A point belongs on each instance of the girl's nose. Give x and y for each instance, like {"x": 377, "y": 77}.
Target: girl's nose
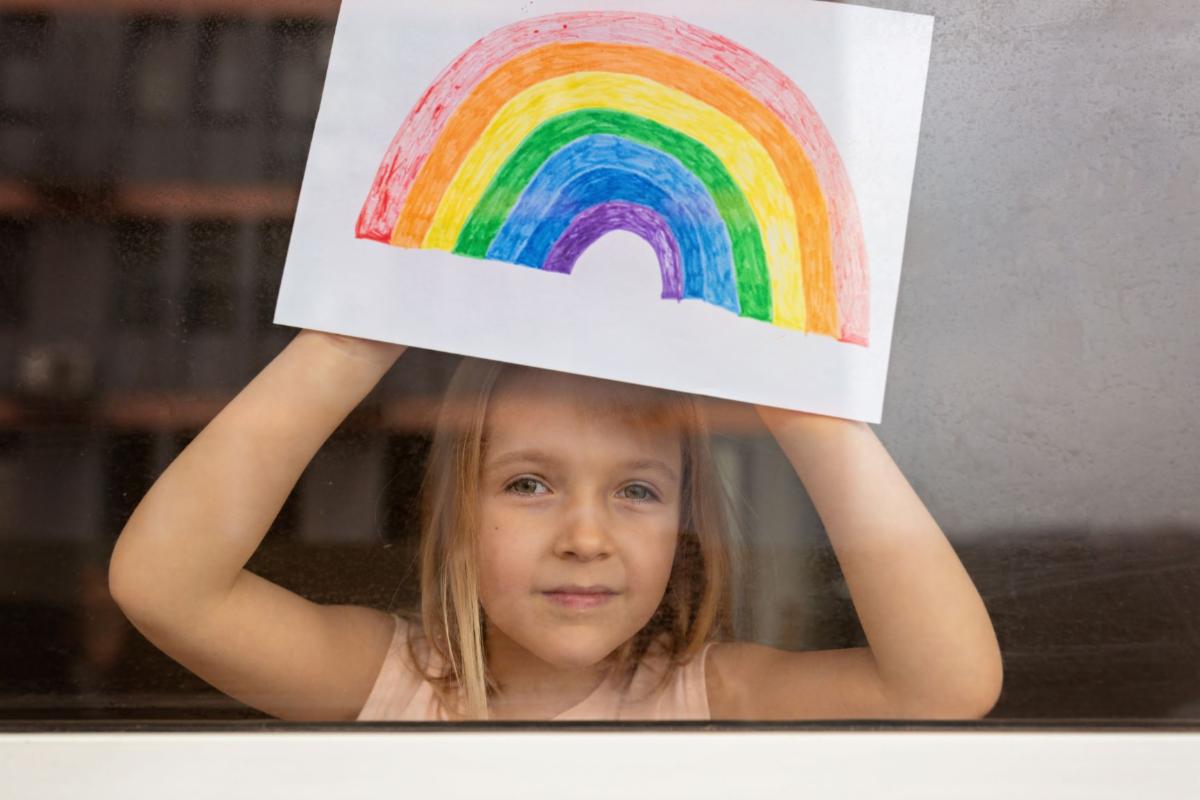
{"x": 584, "y": 533}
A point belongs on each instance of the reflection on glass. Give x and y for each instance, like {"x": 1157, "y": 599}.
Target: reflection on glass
{"x": 137, "y": 292}
{"x": 126, "y": 325}
{"x": 209, "y": 297}
{"x": 14, "y": 249}
{"x": 157, "y": 72}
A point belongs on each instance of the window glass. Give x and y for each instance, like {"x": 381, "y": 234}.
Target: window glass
{"x": 1041, "y": 398}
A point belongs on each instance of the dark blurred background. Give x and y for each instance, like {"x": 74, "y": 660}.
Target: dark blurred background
{"x": 151, "y": 155}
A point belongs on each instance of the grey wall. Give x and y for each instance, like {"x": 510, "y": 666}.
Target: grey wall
{"x": 1046, "y": 358}
{"x": 1046, "y": 365}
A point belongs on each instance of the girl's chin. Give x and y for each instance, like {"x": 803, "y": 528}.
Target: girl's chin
{"x": 582, "y": 654}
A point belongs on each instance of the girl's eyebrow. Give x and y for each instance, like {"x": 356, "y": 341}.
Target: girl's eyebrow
{"x": 522, "y": 455}
{"x": 652, "y": 464}
{"x": 542, "y": 457}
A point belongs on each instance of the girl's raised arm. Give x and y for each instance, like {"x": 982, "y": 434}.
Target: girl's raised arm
{"x": 926, "y": 625}
{"x": 932, "y": 650}
{"x": 177, "y": 568}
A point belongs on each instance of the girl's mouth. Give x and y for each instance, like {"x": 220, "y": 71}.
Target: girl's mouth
{"x": 588, "y": 599}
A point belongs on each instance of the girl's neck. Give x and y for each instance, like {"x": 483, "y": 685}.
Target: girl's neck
{"x": 531, "y": 688}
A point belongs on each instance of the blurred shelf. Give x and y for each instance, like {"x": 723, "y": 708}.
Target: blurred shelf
{"x": 160, "y": 200}
{"x": 17, "y": 199}
{"x": 11, "y": 705}
{"x": 178, "y": 411}
{"x": 158, "y": 412}
{"x": 191, "y": 200}
{"x": 325, "y": 9}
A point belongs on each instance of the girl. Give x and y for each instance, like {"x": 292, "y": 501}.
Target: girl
{"x": 575, "y": 562}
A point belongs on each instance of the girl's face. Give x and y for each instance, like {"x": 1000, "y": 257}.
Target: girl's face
{"x": 579, "y": 518}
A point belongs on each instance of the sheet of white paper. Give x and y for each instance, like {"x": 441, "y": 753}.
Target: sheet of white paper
{"x": 861, "y": 70}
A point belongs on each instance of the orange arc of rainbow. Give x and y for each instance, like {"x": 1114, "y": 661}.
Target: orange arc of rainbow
{"x": 472, "y": 117}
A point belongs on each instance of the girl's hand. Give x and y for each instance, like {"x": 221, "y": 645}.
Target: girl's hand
{"x": 375, "y": 352}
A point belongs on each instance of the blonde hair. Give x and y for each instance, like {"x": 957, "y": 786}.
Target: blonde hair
{"x": 696, "y": 606}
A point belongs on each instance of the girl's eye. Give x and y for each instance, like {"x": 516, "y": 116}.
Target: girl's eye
{"x": 639, "y": 492}
{"x": 525, "y": 485}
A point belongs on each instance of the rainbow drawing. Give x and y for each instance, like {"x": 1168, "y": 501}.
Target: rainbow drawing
{"x": 551, "y": 132}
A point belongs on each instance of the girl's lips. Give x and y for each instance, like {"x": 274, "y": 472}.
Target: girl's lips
{"x": 579, "y": 599}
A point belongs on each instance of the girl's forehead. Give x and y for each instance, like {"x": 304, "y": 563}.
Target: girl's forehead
{"x": 530, "y": 401}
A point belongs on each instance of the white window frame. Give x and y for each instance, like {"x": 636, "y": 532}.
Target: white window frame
{"x": 664, "y": 761}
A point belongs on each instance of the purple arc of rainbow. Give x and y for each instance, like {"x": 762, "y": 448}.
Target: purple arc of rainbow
{"x": 619, "y": 215}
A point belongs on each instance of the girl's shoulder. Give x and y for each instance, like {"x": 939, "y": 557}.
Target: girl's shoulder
{"x": 401, "y": 681}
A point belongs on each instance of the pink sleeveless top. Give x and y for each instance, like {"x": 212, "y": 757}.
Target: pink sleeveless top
{"x": 401, "y": 692}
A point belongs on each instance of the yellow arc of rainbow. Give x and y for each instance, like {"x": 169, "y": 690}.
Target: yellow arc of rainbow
{"x": 748, "y": 162}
